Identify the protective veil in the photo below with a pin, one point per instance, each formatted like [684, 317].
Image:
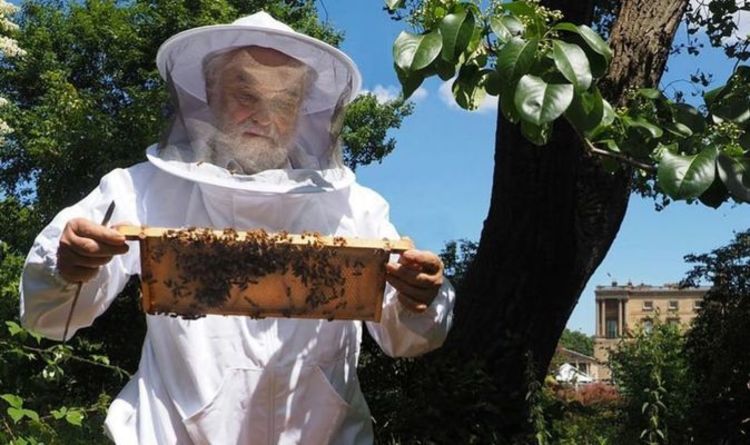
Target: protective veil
[236, 380]
[209, 68]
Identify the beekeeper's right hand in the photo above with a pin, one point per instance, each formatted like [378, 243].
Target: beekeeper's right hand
[84, 247]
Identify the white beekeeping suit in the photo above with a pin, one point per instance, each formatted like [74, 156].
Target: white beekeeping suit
[231, 379]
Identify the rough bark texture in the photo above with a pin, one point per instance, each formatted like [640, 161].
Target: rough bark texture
[553, 216]
[640, 39]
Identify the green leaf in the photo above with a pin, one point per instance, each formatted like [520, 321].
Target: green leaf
[474, 42]
[572, 63]
[456, 30]
[410, 81]
[733, 107]
[744, 140]
[445, 70]
[716, 195]
[608, 116]
[639, 122]
[12, 400]
[74, 417]
[31, 414]
[412, 52]
[685, 177]
[735, 174]
[650, 93]
[467, 88]
[586, 111]
[16, 414]
[539, 102]
[59, 413]
[689, 116]
[710, 96]
[592, 39]
[521, 9]
[507, 105]
[679, 129]
[14, 328]
[506, 27]
[492, 82]
[537, 134]
[100, 359]
[516, 58]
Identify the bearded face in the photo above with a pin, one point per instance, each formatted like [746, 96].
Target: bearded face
[256, 99]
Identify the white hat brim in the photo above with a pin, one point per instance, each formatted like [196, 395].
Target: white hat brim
[182, 57]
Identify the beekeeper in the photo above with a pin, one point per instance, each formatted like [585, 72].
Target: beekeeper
[254, 144]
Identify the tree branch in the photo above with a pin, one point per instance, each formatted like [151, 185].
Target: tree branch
[610, 154]
[41, 351]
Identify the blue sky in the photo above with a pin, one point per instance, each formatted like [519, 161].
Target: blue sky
[439, 178]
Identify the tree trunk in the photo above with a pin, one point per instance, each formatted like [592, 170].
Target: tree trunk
[554, 213]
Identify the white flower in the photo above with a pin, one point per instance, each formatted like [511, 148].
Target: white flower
[7, 25]
[4, 128]
[10, 47]
[3, 101]
[7, 8]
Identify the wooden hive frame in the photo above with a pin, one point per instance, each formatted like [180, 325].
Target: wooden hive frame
[358, 265]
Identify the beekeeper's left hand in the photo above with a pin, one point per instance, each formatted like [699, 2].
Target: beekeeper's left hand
[417, 277]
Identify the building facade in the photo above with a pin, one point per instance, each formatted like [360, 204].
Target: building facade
[620, 309]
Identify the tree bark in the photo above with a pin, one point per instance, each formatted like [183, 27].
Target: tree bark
[554, 213]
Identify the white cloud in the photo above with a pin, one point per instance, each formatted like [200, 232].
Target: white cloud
[391, 92]
[489, 104]
[419, 94]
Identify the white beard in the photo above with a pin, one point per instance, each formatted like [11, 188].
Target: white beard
[247, 155]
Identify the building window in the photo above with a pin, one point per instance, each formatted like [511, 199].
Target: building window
[675, 321]
[696, 305]
[674, 305]
[611, 328]
[648, 325]
[648, 305]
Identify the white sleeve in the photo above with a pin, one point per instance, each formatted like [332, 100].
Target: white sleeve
[400, 332]
[45, 296]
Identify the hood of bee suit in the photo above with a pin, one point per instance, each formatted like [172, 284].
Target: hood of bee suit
[188, 146]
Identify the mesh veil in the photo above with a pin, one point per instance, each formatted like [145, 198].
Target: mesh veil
[200, 114]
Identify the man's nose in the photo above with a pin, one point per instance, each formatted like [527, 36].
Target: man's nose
[260, 113]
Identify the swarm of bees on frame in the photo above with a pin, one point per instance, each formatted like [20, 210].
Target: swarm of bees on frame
[210, 264]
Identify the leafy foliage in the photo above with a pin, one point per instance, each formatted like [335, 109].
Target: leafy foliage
[544, 69]
[365, 126]
[457, 257]
[577, 341]
[716, 345]
[652, 374]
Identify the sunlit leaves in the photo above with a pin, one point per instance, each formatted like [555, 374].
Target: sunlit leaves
[573, 64]
[539, 102]
[592, 39]
[543, 69]
[535, 25]
[684, 177]
[467, 89]
[456, 30]
[516, 58]
[586, 111]
[412, 52]
[735, 174]
[410, 80]
[689, 116]
[506, 27]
